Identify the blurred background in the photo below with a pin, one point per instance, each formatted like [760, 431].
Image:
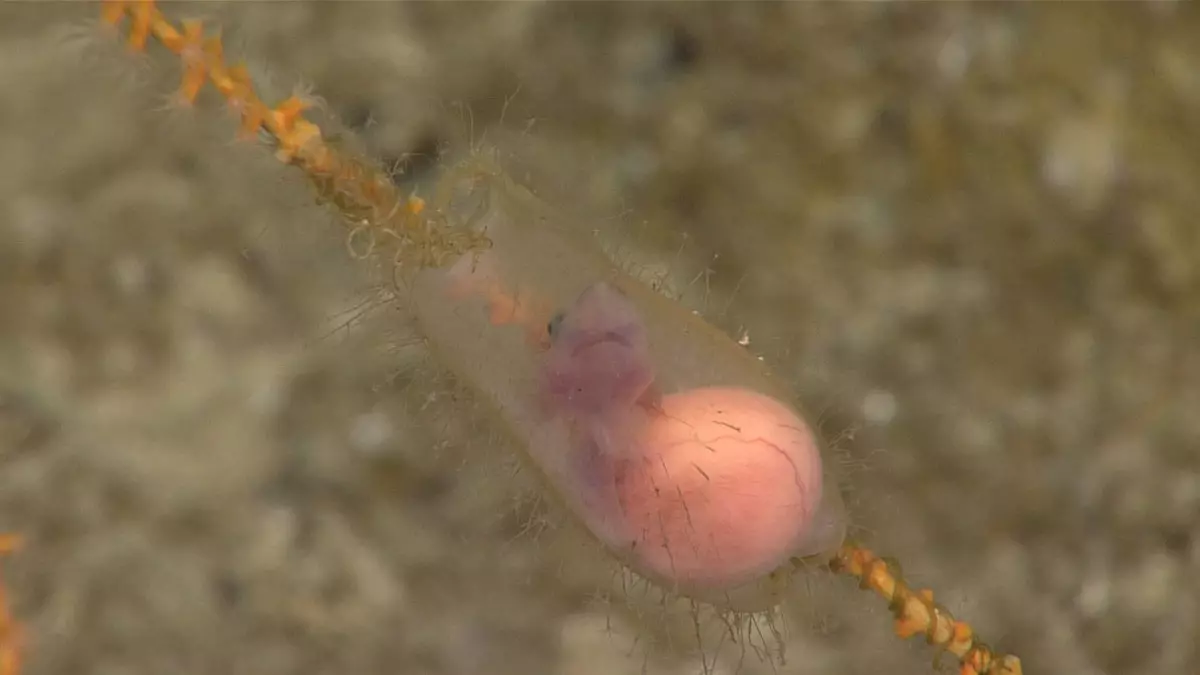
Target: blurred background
[964, 231]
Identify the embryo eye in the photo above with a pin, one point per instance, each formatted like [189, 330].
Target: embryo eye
[555, 322]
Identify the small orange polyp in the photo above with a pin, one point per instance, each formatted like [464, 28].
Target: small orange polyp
[11, 633]
[191, 50]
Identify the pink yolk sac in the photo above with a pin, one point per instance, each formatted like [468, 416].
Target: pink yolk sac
[718, 487]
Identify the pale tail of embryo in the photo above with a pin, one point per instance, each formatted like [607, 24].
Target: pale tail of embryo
[669, 442]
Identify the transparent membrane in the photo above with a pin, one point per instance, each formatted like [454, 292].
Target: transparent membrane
[672, 444]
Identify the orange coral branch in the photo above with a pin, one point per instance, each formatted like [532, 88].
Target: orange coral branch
[916, 613]
[11, 634]
[360, 190]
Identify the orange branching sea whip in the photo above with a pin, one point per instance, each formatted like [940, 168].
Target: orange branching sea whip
[616, 398]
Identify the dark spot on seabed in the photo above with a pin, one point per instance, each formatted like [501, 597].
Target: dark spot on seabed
[684, 49]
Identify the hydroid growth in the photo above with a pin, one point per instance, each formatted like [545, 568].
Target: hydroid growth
[403, 229]
[365, 196]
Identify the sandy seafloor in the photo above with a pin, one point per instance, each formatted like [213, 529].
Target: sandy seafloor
[967, 234]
